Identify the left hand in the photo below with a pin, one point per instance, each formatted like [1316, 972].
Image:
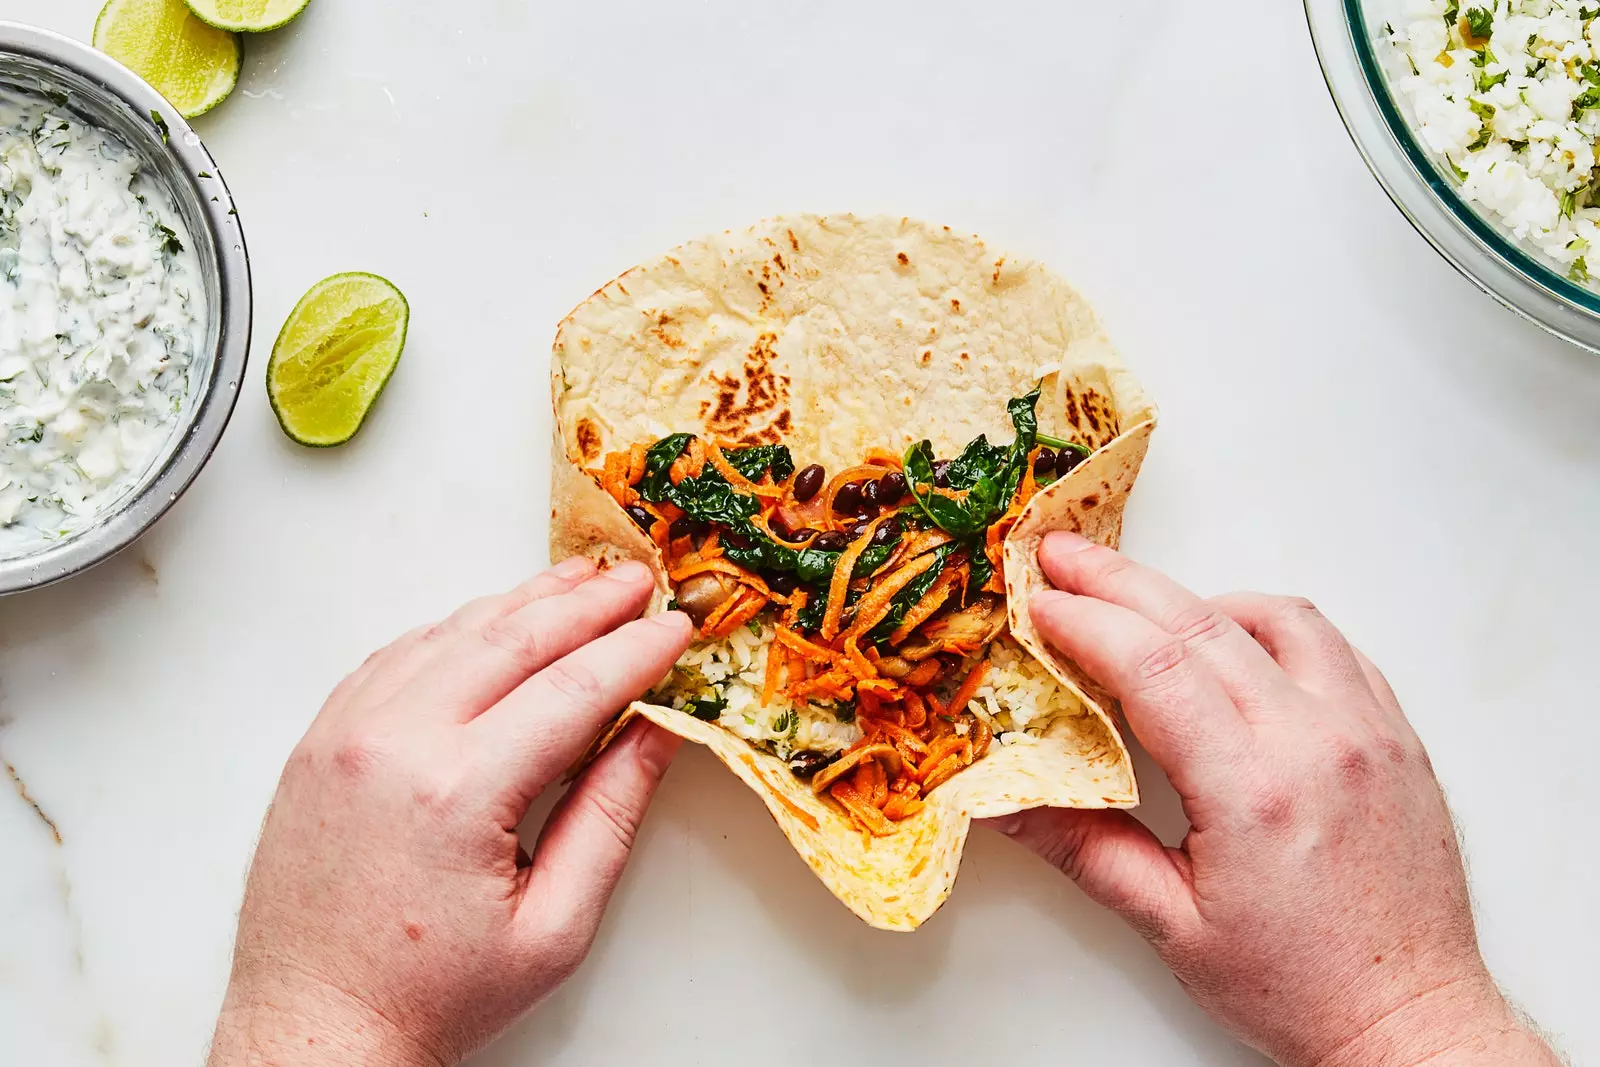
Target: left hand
[391, 916]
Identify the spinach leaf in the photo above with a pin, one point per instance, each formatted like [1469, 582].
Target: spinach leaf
[907, 598]
[709, 709]
[1480, 23]
[982, 571]
[947, 514]
[753, 462]
[710, 498]
[990, 474]
[658, 464]
[814, 566]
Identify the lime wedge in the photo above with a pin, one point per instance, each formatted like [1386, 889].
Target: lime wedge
[335, 355]
[248, 16]
[193, 65]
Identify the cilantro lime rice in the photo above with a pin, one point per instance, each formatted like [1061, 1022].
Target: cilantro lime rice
[1509, 93]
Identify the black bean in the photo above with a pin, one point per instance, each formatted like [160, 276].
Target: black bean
[888, 533]
[808, 482]
[869, 492]
[807, 764]
[1045, 463]
[782, 583]
[794, 537]
[640, 516]
[687, 527]
[832, 541]
[1068, 460]
[941, 474]
[848, 499]
[733, 540]
[856, 530]
[891, 487]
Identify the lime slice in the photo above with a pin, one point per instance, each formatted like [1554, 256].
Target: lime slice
[193, 65]
[335, 355]
[248, 16]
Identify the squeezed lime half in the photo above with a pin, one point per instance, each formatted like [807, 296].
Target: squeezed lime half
[193, 65]
[248, 16]
[335, 355]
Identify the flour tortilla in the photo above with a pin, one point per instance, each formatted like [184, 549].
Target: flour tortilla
[834, 335]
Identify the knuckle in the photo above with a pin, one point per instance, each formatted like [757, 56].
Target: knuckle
[615, 817]
[526, 646]
[1103, 565]
[575, 682]
[1297, 611]
[1162, 668]
[1200, 625]
[1271, 804]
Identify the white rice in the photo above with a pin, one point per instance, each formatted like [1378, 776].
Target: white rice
[1508, 125]
[1019, 699]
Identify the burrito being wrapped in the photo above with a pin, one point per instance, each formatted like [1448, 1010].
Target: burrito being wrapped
[838, 442]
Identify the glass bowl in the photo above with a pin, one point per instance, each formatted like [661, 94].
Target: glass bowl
[1358, 65]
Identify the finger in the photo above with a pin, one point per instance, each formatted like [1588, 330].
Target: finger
[1077, 565]
[585, 844]
[340, 701]
[1116, 860]
[1171, 699]
[542, 727]
[561, 578]
[1308, 647]
[477, 669]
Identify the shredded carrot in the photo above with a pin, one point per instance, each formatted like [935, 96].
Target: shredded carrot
[737, 480]
[777, 662]
[862, 752]
[797, 603]
[856, 663]
[882, 457]
[887, 687]
[839, 589]
[722, 611]
[723, 566]
[835, 683]
[749, 607]
[902, 807]
[613, 478]
[942, 772]
[925, 608]
[916, 711]
[877, 603]
[968, 688]
[806, 648]
[838, 482]
[661, 534]
[636, 459]
[870, 818]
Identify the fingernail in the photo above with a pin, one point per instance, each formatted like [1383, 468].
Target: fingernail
[1067, 541]
[576, 567]
[676, 621]
[629, 572]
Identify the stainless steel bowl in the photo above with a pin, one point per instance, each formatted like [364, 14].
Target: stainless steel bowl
[105, 93]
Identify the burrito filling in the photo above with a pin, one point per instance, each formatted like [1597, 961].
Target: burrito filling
[854, 625]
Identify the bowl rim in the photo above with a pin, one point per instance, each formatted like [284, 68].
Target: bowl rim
[1427, 168]
[213, 407]
[1415, 182]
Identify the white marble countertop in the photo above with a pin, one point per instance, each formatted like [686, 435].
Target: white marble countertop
[1344, 418]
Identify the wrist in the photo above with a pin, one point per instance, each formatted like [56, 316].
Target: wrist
[1461, 1023]
[292, 1020]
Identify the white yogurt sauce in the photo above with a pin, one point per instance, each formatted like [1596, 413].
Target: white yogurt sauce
[102, 316]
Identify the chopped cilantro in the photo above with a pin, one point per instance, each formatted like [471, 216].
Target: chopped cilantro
[1589, 98]
[787, 723]
[161, 124]
[1485, 113]
[754, 627]
[1461, 175]
[1480, 23]
[1569, 203]
[1452, 12]
[707, 709]
[1580, 270]
[1487, 81]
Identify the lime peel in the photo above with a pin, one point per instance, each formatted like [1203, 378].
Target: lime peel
[247, 16]
[334, 356]
[193, 65]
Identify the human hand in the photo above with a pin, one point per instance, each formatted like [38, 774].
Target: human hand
[1317, 907]
[391, 917]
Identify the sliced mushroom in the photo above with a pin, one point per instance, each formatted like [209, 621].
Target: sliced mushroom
[896, 667]
[968, 629]
[892, 765]
[702, 594]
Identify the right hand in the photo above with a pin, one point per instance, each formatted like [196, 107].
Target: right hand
[1318, 906]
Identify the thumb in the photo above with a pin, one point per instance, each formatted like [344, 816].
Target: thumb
[585, 844]
[1116, 860]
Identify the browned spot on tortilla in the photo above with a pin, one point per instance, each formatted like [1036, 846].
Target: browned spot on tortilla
[1091, 502]
[624, 289]
[705, 406]
[674, 262]
[763, 287]
[588, 440]
[666, 330]
[965, 357]
[777, 257]
[751, 408]
[904, 260]
[1001, 262]
[955, 305]
[927, 355]
[1073, 416]
[22, 791]
[793, 243]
